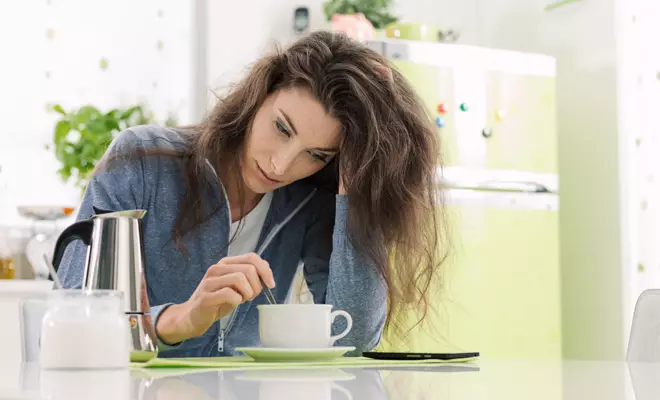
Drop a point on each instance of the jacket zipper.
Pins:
(223, 331)
(221, 341)
(222, 334)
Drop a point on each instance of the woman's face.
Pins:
(292, 137)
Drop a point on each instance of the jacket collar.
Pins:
(286, 201)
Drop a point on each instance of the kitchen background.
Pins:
(169, 55)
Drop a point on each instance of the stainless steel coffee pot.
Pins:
(115, 261)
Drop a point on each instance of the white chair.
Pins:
(644, 340)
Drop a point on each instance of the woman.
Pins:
(321, 141)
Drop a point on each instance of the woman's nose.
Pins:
(282, 161)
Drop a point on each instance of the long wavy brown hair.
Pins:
(388, 158)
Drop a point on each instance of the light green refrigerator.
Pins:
(495, 113)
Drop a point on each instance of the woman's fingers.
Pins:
(235, 280)
(250, 272)
(261, 265)
(226, 295)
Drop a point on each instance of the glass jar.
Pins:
(7, 267)
(84, 329)
(13, 261)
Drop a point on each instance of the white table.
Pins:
(485, 379)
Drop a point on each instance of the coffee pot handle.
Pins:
(81, 230)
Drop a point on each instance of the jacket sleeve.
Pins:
(336, 274)
(120, 187)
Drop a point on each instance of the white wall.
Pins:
(239, 32)
(445, 14)
(52, 52)
(640, 87)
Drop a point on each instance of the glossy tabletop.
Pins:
(484, 379)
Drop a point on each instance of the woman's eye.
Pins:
(320, 157)
(281, 128)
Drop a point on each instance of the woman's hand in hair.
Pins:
(232, 281)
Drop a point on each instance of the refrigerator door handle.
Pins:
(500, 186)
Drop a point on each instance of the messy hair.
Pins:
(388, 158)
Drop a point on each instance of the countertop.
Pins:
(10, 218)
(483, 379)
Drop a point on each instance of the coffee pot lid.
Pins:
(139, 214)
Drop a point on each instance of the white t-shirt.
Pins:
(247, 238)
(253, 223)
(246, 242)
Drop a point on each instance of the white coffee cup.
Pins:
(299, 326)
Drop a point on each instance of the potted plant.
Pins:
(375, 11)
(81, 136)
(359, 19)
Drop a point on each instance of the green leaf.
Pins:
(68, 157)
(64, 173)
(97, 126)
(171, 120)
(87, 153)
(144, 119)
(99, 151)
(102, 140)
(83, 136)
(376, 11)
(113, 114)
(58, 108)
(111, 125)
(84, 115)
(128, 113)
(333, 7)
(62, 128)
(89, 110)
(59, 153)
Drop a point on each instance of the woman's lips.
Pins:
(266, 177)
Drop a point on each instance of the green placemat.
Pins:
(248, 363)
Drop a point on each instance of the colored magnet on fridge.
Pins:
(440, 122)
(464, 107)
(500, 115)
(442, 108)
